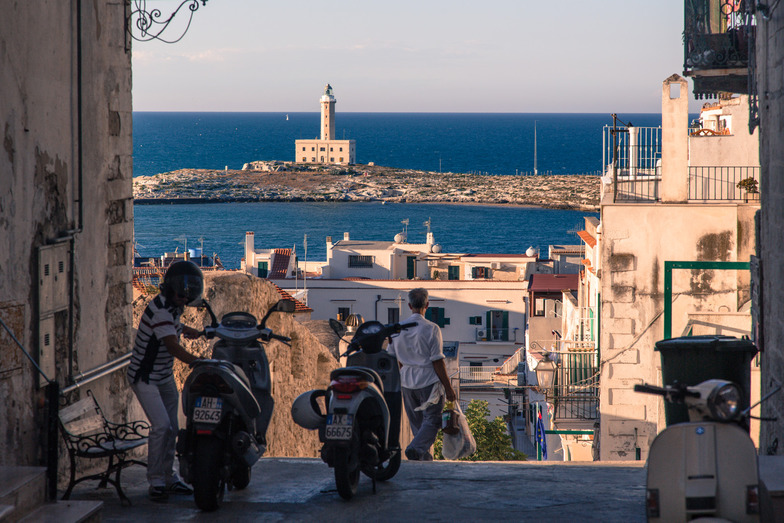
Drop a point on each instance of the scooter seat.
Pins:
(362, 372)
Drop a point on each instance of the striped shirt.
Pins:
(151, 361)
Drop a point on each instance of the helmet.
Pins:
(183, 278)
(306, 411)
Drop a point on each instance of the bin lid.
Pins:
(716, 342)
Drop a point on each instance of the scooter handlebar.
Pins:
(284, 339)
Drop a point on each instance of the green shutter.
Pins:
(263, 269)
(454, 272)
(505, 326)
(411, 267)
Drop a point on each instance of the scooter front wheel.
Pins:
(208, 487)
(240, 476)
(346, 474)
(386, 470)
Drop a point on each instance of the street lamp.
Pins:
(545, 372)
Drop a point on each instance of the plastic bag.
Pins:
(462, 444)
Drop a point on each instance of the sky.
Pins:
(497, 56)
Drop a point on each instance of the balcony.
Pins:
(496, 334)
(718, 41)
(632, 156)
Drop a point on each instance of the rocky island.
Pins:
(286, 181)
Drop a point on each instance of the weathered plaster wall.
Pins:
(637, 240)
(303, 366)
(39, 199)
(739, 149)
(770, 80)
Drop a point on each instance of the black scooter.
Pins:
(360, 430)
(228, 406)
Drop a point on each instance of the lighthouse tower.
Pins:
(328, 114)
(326, 150)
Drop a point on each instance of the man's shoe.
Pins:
(412, 454)
(158, 494)
(178, 487)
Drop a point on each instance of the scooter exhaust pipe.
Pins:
(245, 448)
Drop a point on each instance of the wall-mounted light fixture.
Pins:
(145, 24)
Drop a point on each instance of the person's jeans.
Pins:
(426, 423)
(159, 402)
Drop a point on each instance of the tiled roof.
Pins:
(553, 282)
(585, 236)
(280, 264)
(300, 307)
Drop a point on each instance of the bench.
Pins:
(88, 434)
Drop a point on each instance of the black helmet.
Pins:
(183, 278)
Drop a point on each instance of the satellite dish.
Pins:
(435, 248)
(530, 251)
(399, 237)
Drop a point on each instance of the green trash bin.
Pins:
(694, 359)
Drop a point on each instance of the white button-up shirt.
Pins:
(417, 348)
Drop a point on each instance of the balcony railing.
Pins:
(724, 184)
(716, 34)
(477, 374)
(632, 156)
(494, 334)
(576, 394)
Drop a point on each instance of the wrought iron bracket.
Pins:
(144, 24)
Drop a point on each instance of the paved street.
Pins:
(290, 489)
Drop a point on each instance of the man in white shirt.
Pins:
(419, 352)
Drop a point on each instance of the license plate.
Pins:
(339, 426)
(207, 409)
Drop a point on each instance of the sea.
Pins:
(489, 144)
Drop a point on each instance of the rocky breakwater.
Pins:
(303, 366)
(281, 181)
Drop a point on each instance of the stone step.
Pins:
(23, 488)
(771, 470)
(67, 511)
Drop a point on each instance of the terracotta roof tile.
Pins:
(280, 264)
(300, 307)
(585, 236)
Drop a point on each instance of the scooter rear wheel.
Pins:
(208, 487)
(346, 475)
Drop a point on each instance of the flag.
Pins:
(541, 437)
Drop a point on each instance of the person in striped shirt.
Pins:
(151, 376)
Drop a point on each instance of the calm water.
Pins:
(486, 143)
(458, 228)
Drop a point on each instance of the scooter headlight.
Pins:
(724, 402)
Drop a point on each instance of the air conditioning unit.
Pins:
(495, 265)
(481, 334)
(432, 263)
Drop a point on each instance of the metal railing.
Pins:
(632, 158)
(477, 374)
(724, 183)
(717, 34)
(510, 365)
(576, 390)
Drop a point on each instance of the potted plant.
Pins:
(749, 185)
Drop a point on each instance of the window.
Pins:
(331, 149)
(312, 148)
(437, 316)
(538, 306)
(480, 272)
(304, 159)
(341, 149)
(475, 320)
(343, 313)
(410, 267)
(332, 159)
(393, 315)
(322, 159)
(303, 148)
(355, 260)
(322, 149)
(453, 272)
(341, 159)
(313, 159)
(263, 269)
(498, 325)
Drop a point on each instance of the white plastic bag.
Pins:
(462, 444)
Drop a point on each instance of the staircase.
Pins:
(23, 499)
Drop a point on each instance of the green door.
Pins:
(410, 267)
(263, 269)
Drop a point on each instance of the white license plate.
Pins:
(207, 409)
(339, 426)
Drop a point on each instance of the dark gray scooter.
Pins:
(360, 430)
(228, 406)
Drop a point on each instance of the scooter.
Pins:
(360, 429)
(228, 406)
(706, 467)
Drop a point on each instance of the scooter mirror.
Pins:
(286, 306)
(337, 327)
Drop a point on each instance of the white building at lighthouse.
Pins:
(326, 149)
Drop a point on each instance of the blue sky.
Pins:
(415, 56)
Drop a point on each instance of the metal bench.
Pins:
(88, 434)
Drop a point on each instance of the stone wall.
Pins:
(770, 87)
(66, 168)
(303, 366)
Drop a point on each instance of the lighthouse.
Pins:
(328, 114)
(326, 149)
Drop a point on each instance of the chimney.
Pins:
(345, 236)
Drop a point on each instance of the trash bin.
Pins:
(694, 359)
